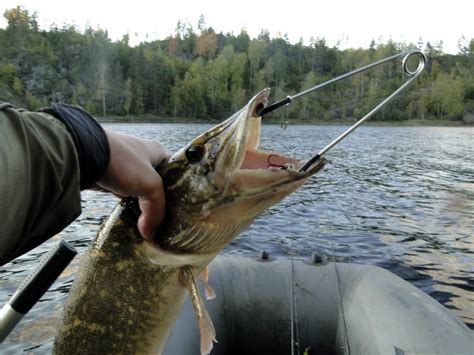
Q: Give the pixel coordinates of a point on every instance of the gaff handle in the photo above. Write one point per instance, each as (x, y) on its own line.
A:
(287, 100)
(34, 286)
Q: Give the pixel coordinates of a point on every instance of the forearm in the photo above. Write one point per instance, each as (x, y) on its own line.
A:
(46, 159)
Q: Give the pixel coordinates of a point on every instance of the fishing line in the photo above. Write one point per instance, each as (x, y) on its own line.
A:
(294, 312)
(297, 327)
(284, 120)
(336, 269)
(293, 315)
(292, 309)
(341, 304)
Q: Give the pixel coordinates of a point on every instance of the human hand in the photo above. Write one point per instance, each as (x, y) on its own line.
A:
(131, 173)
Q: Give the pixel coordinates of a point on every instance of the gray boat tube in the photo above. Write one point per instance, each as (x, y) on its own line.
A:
(281, 306)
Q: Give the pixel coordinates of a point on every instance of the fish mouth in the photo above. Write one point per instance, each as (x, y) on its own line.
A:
(245, 170)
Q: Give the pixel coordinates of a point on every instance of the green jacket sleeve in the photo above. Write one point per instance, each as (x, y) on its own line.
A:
(39, 180)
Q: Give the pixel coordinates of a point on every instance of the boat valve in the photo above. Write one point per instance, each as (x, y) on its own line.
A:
(317, 258)
(264, 256)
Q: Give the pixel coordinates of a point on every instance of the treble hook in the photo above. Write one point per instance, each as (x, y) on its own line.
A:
(413, 74)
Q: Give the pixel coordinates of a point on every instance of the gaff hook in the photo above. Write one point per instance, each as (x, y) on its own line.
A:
(413, 74)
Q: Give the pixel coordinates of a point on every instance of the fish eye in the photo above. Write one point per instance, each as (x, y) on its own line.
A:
(195, 153)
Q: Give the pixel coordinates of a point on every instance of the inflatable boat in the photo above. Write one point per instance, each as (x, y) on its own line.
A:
(281, 306)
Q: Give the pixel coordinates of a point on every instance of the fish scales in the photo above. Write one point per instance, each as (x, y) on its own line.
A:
(126, 290)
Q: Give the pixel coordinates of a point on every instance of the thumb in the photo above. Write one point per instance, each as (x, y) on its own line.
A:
(152, 207)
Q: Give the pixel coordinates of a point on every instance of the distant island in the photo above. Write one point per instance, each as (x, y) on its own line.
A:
(198, 75)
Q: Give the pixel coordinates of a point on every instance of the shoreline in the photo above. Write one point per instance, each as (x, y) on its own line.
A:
(404, 123)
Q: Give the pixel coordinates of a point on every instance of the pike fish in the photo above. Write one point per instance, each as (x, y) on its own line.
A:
(129, 292)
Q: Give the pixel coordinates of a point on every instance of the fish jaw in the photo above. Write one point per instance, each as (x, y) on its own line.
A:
(218, 183)
(193, 183)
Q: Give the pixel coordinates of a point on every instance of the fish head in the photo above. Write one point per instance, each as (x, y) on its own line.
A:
(219, 182)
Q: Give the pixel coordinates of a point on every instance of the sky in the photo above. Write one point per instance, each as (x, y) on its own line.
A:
(352, 24)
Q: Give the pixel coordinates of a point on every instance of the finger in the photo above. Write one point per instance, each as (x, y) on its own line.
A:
(152, 207)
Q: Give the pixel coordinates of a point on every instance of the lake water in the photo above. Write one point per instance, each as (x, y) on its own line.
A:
(397, 197)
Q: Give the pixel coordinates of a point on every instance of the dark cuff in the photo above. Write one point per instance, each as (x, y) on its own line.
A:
(89, 138)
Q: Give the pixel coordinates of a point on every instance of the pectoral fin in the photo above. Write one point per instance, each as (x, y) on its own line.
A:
(206, 328)
(209, 292)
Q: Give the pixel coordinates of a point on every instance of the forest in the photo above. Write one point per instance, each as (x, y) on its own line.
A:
(197, 73)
